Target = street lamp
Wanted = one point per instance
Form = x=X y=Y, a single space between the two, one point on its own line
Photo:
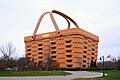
x=102 y=58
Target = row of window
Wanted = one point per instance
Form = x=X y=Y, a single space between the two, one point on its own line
x=55 y=56
x=40 y=62
x=69 y=56
x=40 y=57
x=88 y=38
x=84 y=61
x=71 y=66
x=54 y=52
x=53 y=43
x=67 y=41
x=85 y=47
x=52 y=39
x=66 y=55
x=67 y=46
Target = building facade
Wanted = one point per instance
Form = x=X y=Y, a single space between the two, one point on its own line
x=74 y=49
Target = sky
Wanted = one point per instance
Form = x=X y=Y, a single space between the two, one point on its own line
x=18 y=19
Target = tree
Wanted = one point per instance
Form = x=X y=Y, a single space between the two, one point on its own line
x=93 y=64
x=118 y=64
x=79 y=60
x=48 y=63
x=21 y=62
x=7 y=51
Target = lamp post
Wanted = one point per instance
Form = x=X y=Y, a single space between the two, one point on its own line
x=102 y=58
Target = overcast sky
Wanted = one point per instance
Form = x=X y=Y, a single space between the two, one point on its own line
x=101 y=17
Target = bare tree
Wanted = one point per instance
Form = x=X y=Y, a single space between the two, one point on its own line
x=48 y=60
x=22 y=62
x=48 y=63
x=118 y=64
x=79 y=60
x=7 y=51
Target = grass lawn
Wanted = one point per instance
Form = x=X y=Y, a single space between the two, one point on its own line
x=112 y=75
x=33 y=73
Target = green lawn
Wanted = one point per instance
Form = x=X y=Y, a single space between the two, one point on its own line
x=33 y=73
x=112 y=75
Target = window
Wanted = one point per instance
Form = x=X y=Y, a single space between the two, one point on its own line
x=84 y=61
x=68 y=50
x=53 y=43
x=40 y=53
x=85 y=51
x=28 y=49
x=69 y=65
x=39 y=44
x=68 y=41
x=85 y=47
x=53 y=52
x=69 y=55
x=68 y=46
x=92 y=58
x=84 y=56
x=40 y=57
x=39 y=48
x=28 y=53
x=53 y=56
x=67 y=36
x=84 y=65
x=92 y=53
x=40 y=41
x=93 y=49
x=69 y=60
x=52 y=39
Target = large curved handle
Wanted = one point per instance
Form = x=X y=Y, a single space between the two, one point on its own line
x=37 y=25
x=67 y=17
x=54 y=23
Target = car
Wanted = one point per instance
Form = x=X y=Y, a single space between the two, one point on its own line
x=11 y=69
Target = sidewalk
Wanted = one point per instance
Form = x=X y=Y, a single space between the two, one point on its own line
x=75 y=74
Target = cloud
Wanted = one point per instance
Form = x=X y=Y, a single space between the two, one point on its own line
x=101 y=17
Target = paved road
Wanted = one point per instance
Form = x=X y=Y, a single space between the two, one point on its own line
x=75 y=74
